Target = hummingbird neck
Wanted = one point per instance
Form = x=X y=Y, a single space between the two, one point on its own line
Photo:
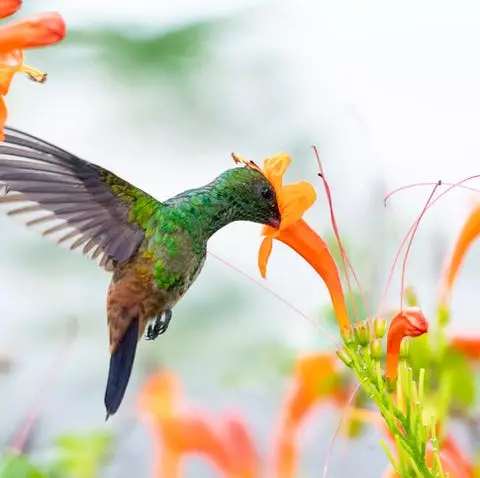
x=206 y=209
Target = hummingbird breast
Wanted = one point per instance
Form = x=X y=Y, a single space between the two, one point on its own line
x=157 y=277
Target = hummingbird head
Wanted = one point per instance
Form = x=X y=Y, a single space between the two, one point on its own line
x=251 y=196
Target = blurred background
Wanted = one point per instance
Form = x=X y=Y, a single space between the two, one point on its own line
x=161 y=93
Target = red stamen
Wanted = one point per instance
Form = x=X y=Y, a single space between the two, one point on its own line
x=392 y=270
x=414 y=185
x=412 y=236
x=346 y=263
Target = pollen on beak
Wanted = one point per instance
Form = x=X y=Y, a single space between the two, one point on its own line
x=274 y=222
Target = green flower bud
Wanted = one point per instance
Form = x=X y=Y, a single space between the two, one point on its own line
x=376 y=349
x=344 y=356
x=362 y=333
x=380 y=327
x=347 y=335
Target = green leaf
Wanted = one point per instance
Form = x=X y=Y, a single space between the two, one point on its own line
x=18 y=466
x=82 y=456
x=456 y=370
x=420 y=354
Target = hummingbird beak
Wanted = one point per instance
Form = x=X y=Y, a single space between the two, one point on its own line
x=274 y=222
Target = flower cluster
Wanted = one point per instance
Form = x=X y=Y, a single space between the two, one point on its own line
x=15 y=37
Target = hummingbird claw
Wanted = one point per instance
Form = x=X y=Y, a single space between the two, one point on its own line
x=160 y=325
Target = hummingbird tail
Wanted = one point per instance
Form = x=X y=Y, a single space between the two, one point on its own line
x=121 y=363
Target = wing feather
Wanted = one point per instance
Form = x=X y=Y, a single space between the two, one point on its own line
x=93 y=204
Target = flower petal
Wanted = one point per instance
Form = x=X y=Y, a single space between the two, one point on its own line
x=274 y=168
x=468 y=346
x=192 y=433
x=309 y=245
x=468 y=234
x=264 y=254
x=295 y=199
x=244 y=456
x=9 y=7
x=407 y=323
x=3 y=117
x=159 y=396
x=34 y=31
x=10 y=63
x=315 y=380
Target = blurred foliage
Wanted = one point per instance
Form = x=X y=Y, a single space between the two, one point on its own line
x=77 y=456
x=18 y=466
x=170 y=51
x=82 y=456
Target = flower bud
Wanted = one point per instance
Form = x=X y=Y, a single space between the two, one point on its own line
x=347 y=335
x=379 y=326
x=362 y=334
x=407 y=323
x=376 y=349
x=344 y=356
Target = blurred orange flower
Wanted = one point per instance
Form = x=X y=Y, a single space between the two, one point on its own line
x=316 y=379
x=468 y=234
x=227 y=443
x=34 y=31
x=9 y=7
x=468 y=346
x=179 y=431
x=409 y=322
x=293 y=200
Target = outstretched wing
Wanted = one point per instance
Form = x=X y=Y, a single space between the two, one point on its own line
x=102 y=212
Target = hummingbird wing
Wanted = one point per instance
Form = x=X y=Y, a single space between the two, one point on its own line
x=102 y=212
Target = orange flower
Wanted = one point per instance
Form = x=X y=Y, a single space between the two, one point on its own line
x=179 y=432
x=9 y=7
x=315 y=379
x=468 y=346
x=468 y=234
x=293 y=200
x=31 y=32
x=34 y=31
x=407 y=323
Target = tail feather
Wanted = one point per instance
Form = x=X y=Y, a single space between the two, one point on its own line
x=121 y=363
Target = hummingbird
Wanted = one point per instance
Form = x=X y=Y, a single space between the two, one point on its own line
x=154 y=249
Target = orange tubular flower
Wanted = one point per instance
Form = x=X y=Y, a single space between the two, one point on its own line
x=468 y=346
x=179 y=432
x=293 y=200
x=31 y=32
x=407 y=323
x=315 y=380
x=34 y=31
x=468 y=234
x=9 y=7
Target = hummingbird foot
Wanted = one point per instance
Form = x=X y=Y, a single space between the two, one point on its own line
x=160 y=325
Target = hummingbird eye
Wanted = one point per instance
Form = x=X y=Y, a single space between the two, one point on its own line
x=266 y=193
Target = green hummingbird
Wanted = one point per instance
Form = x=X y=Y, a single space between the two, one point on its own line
x=155 y=250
